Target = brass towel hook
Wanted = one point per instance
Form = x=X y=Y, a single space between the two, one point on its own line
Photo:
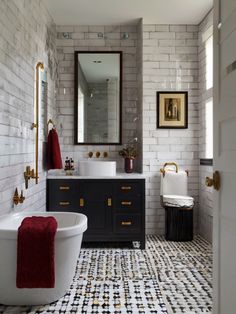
x=50 y=121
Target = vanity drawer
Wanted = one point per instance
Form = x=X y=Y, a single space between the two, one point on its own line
x=62 y=196
x=128 y=188
x=127 y=224
x=128 y=204
x=62 y=187
x=64 y=206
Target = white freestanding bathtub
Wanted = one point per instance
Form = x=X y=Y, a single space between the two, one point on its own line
x=67 y=247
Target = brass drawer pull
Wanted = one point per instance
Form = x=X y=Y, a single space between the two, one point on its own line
x=126 y=223
x=109 y=202
x=126 y=203
x=64 y=203
x=126 y=188
x=64 y=188
x=81 y=202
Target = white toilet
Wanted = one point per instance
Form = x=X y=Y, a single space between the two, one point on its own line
x=178 y=205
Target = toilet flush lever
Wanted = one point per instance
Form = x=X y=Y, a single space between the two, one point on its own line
x=215 y=181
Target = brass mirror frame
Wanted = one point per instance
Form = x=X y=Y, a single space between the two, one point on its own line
x=76 y=54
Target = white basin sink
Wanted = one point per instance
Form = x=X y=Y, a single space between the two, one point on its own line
x=96 y=168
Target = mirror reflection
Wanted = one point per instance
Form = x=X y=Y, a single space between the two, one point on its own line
x=98 y=97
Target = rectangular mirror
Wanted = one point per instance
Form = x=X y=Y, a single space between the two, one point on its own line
x=98 y=97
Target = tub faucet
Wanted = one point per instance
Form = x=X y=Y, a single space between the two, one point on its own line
x=18 y=198
x=29 y=173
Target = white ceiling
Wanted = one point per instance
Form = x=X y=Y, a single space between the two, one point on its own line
x=113 y=12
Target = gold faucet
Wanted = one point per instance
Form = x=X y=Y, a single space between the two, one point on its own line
x=90 y=154
x=18 y=198
x=29 y=173
x=105 y=154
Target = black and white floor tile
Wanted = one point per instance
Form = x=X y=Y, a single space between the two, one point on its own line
x=167 y=277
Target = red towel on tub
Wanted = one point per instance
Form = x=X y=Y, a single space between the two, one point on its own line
x=35 y=253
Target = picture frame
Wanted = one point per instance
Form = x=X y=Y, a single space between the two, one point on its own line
x=172 y=110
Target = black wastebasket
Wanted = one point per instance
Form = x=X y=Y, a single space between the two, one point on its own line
x=178 y=224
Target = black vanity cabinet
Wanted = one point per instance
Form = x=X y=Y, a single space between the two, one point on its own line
x=115 y=207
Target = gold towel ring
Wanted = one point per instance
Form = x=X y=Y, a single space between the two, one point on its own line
x=162 y=170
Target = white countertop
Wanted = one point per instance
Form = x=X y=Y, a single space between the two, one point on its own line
x=59 y=174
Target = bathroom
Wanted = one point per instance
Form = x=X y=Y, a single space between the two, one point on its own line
x=162 y=49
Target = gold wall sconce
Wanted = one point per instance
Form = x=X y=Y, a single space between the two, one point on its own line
x=18 y=198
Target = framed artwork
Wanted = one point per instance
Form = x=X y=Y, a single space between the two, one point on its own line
x=172 y=110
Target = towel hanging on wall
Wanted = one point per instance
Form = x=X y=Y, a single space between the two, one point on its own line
x=53 y=151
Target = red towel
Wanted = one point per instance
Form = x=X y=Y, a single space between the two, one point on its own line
x=35 y=253
x=53 y=151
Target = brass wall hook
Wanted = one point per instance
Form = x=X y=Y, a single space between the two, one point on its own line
x=50 y=121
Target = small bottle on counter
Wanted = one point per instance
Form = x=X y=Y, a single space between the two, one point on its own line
x=66 y=167
x=71 y=164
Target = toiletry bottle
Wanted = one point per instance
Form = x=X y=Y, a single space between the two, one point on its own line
x=72 y=164
x=66 y=164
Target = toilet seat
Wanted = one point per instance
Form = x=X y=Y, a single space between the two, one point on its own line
x=178 y=201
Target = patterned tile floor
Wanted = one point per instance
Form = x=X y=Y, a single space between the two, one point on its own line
x=167 y=277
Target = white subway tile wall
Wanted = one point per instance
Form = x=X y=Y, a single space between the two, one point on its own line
x=170 y=62
x=205 y=193
x=139 y=114
x=24 y=30
x=87 y=38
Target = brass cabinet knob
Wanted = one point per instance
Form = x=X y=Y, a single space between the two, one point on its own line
x=126 y=203
x=126 y=188
x=64 y=188
x=81 y=202
x=109 y=202
x=126 y=223
x=215 y=181
x=64 y=203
